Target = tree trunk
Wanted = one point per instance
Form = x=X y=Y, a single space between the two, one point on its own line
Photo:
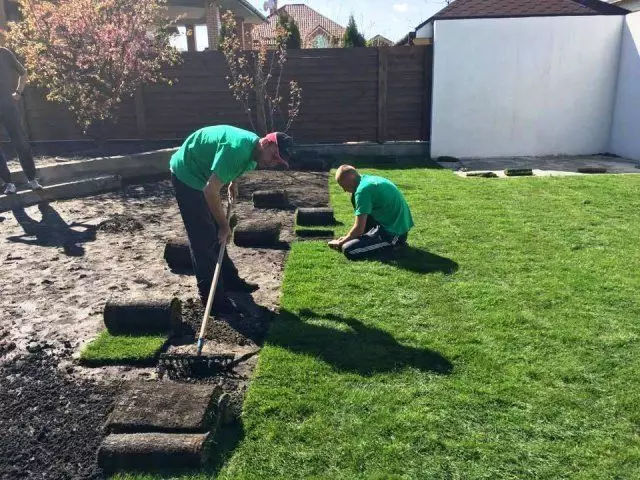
x=261 y=113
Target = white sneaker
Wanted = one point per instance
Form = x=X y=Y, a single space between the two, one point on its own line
x=9 y=188
x=34 y=185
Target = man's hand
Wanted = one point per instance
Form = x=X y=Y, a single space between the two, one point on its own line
x=233 y=191
x=224 y=234
x=337 y=243
x=16 y=96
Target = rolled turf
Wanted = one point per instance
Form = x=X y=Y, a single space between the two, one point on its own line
x=271 y=199
x=108 y=349
x=257 y=234
x=142 y=317
x=177 y=254
x=313 y=217
x=150 y=451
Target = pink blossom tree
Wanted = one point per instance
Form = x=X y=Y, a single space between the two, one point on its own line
x=92 y=54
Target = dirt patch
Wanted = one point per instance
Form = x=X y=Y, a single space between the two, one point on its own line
x=50 y=424
x=55 y=286
x=120 y=223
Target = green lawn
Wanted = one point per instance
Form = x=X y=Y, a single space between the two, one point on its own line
x=503 y=344
x=109 y=349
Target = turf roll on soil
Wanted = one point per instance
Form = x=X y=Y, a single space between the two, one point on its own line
x=592 y=170
x=151 y=451
x=518 y=172
x=159 y=407
x=136 y=316
x=178 y=254
x=482 y=174
x=271 y=199
x=313 y=217
x=256 y=234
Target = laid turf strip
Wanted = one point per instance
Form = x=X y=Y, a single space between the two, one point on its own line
x=108 y=349
x=503 y=343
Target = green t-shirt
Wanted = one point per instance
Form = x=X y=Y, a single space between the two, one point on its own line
x=380 y=198
x=223 y=150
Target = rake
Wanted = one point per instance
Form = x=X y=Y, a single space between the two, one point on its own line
x=177 y=365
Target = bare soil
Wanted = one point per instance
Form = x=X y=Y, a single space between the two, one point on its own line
x=61 y=262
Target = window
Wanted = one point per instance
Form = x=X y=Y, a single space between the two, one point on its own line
x=320 y=41
x=179 y=39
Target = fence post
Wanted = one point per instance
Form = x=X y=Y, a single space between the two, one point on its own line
x=383 y=67
x=141 y=119
x=427 y=92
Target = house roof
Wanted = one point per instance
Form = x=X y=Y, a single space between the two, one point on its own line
x=308 y=20
x=239 y=7
x=524 y=8
x=381 y=39
x=466 y=9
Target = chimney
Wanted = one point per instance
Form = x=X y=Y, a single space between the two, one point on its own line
x=271 y=6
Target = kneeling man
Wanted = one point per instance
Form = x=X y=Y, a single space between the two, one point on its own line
x=383 y=218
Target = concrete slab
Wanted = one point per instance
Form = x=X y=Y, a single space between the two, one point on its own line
x=165 y=407
x=82 y=188
x=549 y=166
x=146 y=164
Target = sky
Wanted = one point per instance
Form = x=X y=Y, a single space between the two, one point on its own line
x=390 y=18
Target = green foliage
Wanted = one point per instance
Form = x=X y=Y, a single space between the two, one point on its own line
x=352 y=37
x=288 y=31
x=91 y=55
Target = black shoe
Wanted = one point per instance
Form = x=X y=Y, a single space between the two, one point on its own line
x=221 y=307
x=239 y=285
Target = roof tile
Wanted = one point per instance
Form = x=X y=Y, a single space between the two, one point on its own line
x=525 y=8
x=307 y=19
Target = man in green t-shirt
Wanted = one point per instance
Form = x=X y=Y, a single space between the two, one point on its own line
x=383 y=218
x=208 y=159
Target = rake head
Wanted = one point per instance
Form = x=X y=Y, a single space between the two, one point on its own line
x=192 y=366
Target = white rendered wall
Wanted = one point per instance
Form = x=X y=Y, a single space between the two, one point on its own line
x=524 y=86
x=625 y=128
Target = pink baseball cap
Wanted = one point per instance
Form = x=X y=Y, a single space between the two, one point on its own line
x=285 y=146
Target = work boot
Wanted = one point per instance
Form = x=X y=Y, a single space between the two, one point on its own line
x=221 y=307
x=9 y=188
x=240 y=285
x=34 y=185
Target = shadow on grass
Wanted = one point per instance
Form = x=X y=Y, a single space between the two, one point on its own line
x=53 y=231
x=418 y=261
x=359 y=349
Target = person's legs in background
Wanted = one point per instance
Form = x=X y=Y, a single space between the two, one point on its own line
x=10 y=118
x=5 y=175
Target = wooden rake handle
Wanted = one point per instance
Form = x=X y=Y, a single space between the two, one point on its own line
x=214 y=285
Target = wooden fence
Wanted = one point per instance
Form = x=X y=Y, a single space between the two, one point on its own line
x=362 y=94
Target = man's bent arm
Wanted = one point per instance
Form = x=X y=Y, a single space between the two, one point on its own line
x=358 y=228
x=212 y=195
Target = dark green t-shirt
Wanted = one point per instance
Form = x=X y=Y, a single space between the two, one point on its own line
x=380 y=198
x=224 y=150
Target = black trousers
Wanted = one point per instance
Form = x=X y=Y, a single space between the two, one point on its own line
x=202 y=231
x=10 y=118
x=376 y=241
